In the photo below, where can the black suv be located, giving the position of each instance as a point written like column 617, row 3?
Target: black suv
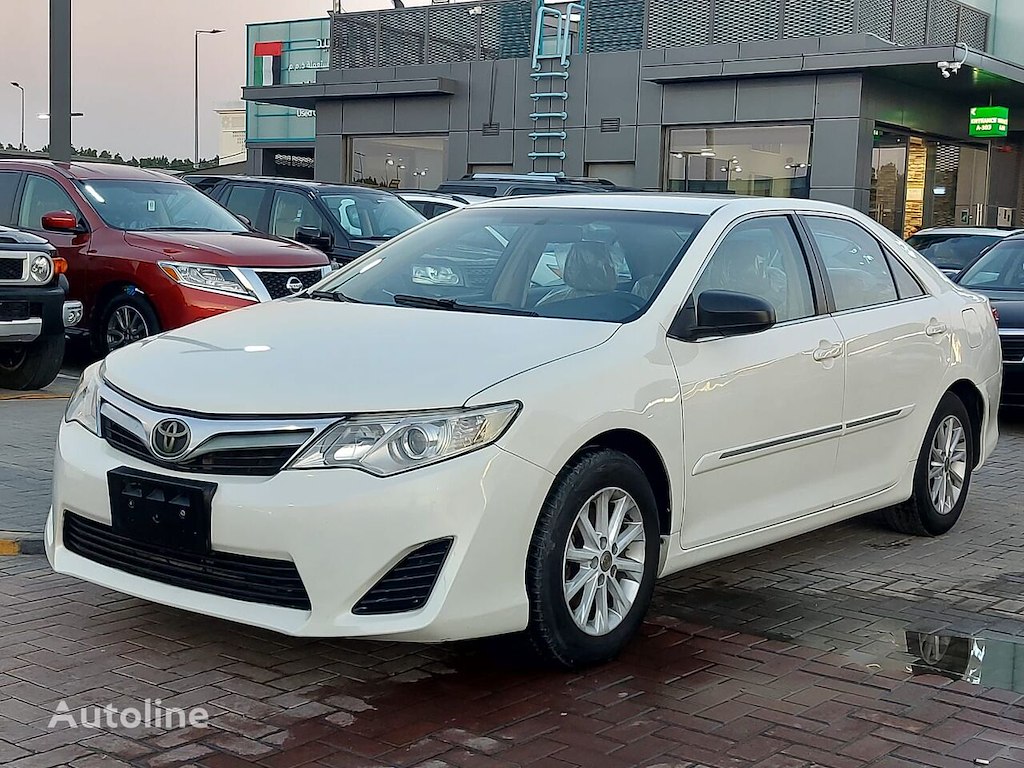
column 33, row 310
column 513, row 185
column 343, row 221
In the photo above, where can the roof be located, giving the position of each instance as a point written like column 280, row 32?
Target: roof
column 307, row 183
column 76, row 170
column 669, row 202
column 968, row 231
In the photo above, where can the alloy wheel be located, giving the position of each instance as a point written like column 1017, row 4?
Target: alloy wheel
column 126, row 325
column 947, row 464
column 12, row 357
column 603, row 563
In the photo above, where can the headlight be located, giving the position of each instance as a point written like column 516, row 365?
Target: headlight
column 84, row 404
column 426, row 274
column 41, row 269
column 206, row 278
column 386, row 444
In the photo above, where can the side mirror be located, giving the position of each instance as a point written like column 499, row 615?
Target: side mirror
column 722, row 313
column 313, row 236
column 244, row 219
column 60, row 221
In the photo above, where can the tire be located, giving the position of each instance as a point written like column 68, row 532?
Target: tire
column 126, row 318
column 32, row 366
column 920, row 515
column 554, row 633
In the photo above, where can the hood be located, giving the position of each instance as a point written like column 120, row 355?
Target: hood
column 1009, row 305
column 227, row 249
column 302, row 356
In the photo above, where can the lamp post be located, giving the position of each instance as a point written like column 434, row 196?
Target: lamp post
column 20, row 88
column 198, row 33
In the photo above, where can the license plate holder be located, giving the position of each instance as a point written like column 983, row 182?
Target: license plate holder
column 162, row 511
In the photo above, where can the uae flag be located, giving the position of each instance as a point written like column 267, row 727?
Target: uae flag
column 267, row 63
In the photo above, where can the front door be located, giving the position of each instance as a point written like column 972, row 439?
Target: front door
column 762, row 413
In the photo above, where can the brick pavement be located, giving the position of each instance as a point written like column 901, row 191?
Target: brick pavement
column 788, row 657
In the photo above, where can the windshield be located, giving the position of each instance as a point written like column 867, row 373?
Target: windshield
column 371, row 215
column 157, row 205
column 550, row 262
column 1001, row 269
column 948, row 251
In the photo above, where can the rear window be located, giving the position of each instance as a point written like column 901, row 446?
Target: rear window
column 950, row 251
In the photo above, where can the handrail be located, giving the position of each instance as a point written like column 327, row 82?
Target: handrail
column 542, row 11
column 581, row 6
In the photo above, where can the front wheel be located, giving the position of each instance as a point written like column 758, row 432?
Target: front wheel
column 33, row 365
column 942, row 478
column 593, row 560
column 126, row 319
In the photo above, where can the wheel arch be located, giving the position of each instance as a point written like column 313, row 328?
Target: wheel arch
column 974, row 402
column 107, row 294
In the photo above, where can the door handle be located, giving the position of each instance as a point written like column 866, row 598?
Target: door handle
column 821, row 354
column 935, row 328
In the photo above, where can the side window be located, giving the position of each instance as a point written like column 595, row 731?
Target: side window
column 290, row 211
column 42, row 196
column 857, row 268
column 245, row 201
column 906, row 283
column 8, row 188
column 762, row 257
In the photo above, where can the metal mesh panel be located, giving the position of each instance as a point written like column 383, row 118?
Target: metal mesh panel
column 974, row 28
column 678, row 22
column 808, row 18
column 947, row 165
column 942, row 23
column 453, row 34
column 505, row 29
column 402, row 37
column 353, row 41
column 876, row 18
column 614, row 25
column 737, row 21
column 911, row 20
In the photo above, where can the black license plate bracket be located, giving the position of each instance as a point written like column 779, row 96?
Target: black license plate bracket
column 162, row 511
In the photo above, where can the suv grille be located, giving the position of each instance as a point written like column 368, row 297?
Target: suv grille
column 258, row 460
column 407, row 586
column 12, row 269
column 1013, row 348
column 14, row 310
column 276, row 283
column 240, row 577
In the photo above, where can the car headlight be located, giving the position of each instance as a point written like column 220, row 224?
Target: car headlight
column 40, row 269
column 386, row 444
column 206, row 277
column 84, row 405
column 427, row 274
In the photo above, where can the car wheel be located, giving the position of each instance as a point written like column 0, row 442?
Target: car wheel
column 593, row 560
column 32, row 366
column 127, row 318
column 942, row 478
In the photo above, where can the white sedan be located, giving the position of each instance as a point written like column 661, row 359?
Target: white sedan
column 390, row 456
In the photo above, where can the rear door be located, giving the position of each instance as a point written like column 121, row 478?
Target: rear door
column 898, row 347
column 248, row 200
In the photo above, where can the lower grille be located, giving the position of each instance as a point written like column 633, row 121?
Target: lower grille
column 252, row 579
column 407, row 586
column 12, row 269
column 1013, row 348
column 276, row 283
column 14, row 310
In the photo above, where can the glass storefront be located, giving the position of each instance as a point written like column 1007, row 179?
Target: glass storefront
column 398, row 162
column 767, row 161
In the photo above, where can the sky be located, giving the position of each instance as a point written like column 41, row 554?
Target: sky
column 132, row 68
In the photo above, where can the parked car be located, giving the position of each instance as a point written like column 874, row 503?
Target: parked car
column 514, row 185
column 34, row 310
column 999, row 275
column 432, row 204
column 953, row 248
column 342, row 221
column 147, row 252
column 514, row 457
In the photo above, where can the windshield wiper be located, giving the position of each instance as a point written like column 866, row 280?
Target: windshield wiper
column 431, row 302
column 179, row 229
column 331, row 296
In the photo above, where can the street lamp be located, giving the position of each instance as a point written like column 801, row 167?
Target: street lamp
column 20, row 88
column 198, row 33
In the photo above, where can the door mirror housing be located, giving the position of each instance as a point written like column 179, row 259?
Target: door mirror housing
column 60, row 221
column 313, row 236
column 722, row 313
column 244, row 219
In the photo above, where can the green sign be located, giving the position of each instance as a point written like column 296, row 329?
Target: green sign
column 989, row 122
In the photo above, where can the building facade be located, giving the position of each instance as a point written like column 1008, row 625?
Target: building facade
column 839, row 100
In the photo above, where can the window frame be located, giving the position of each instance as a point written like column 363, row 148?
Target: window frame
column 262, row 214
column 325, row 224
column 7, row 216
column 19, row 201
column 887, row 253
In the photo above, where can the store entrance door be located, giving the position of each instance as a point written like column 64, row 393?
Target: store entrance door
column 889, row 180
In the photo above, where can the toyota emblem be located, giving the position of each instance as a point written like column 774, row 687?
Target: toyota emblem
column 171, row 438
column 294, row 284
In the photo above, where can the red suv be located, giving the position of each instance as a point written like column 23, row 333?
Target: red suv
column 147, row 252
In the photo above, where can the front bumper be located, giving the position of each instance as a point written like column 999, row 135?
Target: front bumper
column 45, row 310
column 344, row 529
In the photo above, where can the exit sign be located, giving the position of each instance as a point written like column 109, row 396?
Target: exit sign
column 989, row 122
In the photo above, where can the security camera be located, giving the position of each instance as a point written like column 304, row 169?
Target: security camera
column 948, row 68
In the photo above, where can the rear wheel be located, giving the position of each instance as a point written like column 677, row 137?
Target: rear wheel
column 942, row 478
column 127, row 318
column 33, row 365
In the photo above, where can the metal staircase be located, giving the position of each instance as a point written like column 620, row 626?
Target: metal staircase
column 556, row 29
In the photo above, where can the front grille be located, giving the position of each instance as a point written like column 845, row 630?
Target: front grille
column 14, row 310
column 1013, row 348
column 276, row 283
column 240, row 577
column 257, row 460
column 12, row 269
column 407, row 586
